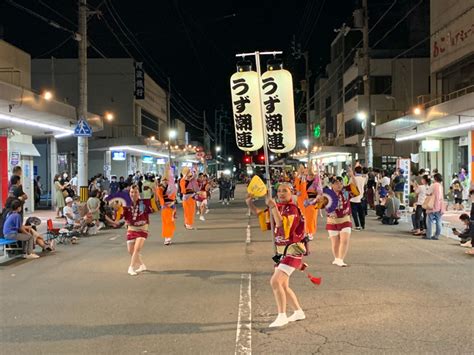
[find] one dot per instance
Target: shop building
(440, 129)
(32, 125)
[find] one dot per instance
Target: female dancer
(289, 233)
(187, 188)
(310, 188)
(166, 193)
(339, 224)
(136, 218)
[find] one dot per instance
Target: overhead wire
(119, 21)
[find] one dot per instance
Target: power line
(314, 24)
(57, 13)
(62, 43)
(350, 54)
(118, 20)
(399, 22)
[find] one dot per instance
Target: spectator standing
(59, 196)
(399, 184)
(38, 187)
(421, 191)
(435, 213)
(358, 213)
(74, 183)
(114, 185)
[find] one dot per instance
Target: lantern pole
(257, 55)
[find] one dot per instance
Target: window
(353, 127)
(380, 85)
(354, 88)
(149, 124)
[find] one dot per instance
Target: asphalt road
(209, 294)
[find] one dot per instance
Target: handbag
(428, 203)
(65, 193)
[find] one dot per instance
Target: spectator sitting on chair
(392, 209)
(468, 233)
(13, 229)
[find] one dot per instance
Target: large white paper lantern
(277, 98)
(246, 110)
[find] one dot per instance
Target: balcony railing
(426, 100)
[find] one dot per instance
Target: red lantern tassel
(315, 280)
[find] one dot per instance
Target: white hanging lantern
(277, 98)
(246, 110)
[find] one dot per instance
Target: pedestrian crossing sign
(82, 129)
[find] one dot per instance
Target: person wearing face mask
(289, 236)
(166, 193)
(114, 185)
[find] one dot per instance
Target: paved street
(399, 295)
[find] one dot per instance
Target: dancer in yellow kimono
(166, 193)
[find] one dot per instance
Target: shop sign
(160, 161)
(62, 159)
(188, 164)
(119, 155)
(246, 109)
(139, 81)
(15, 158)
(147, 159)
(430, 145)
(405, 165)
(463, 141)
(277, 99)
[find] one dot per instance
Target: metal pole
(82, 142)
(368, 123)
(168, 119)
(265, 143)
(308, 122)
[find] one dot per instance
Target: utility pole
(168, 119)
(82, 142)
(308, 121)
(369, 154)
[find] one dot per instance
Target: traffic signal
(247, 159)
(261, 157)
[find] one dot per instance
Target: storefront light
(466, 125)
(64, 131)
(137, 150)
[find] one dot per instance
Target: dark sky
(192, 42)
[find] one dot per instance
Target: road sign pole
(82, 142)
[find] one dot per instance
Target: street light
(172, 134)
(229, 159)
(417, 111)
(218, 149)
(361, 115)
(109, 116)
(48, 95)
(306, 142)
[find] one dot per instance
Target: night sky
(192, 42)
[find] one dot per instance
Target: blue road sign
(82, 129)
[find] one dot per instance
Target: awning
(27, 149)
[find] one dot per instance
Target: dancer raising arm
(289, 234)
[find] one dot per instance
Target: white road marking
(249, 235)
(243, 338)
(113, 238)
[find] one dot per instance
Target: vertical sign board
(139, 81)
(277, 89)
(246, 109)
(405, 165)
